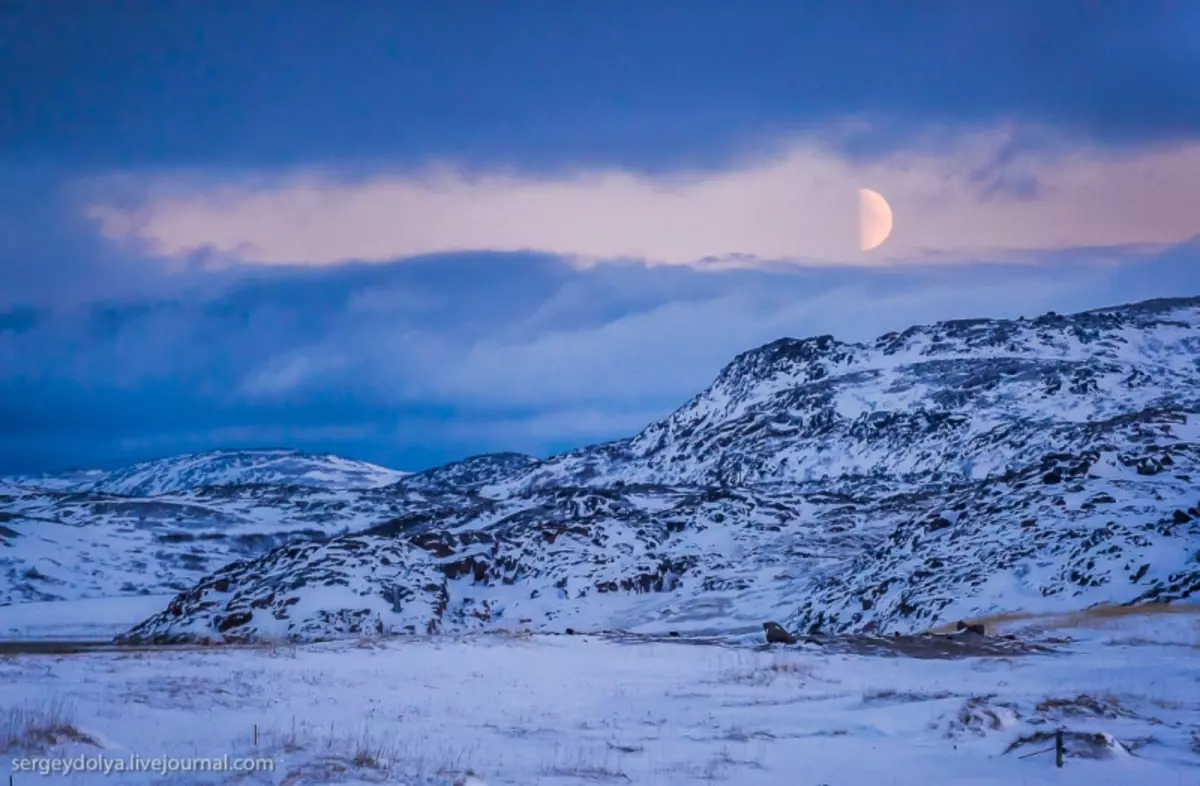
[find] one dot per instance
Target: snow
(91, 619)
(223, 468)
(85, 545)
(586, 709)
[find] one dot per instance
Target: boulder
(776, 634)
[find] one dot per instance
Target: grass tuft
(35, 728)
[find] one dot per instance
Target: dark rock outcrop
(777, 635)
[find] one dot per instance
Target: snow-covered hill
(223, 468)
(948, 471)
(970, 398)
(59, 545)
(470, 474)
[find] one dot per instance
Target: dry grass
(759, 672)
(1166, 704)
(586, 772)
(1077, 744)
(903, 697)
(721, 766)
(316, 754)
(601, 765)
(1084, 705)
(1089, 617)
(279, 649)
(373, 753)
(980, 715)
(35, 728)
(718, 766)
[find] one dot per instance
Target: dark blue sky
(649, 84)
(151, 304)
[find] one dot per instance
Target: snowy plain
(589, 709)
(88, 619)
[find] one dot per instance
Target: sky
(410, 233)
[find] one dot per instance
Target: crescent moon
(874, 219)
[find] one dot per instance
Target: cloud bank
(415, 362)
(974, 196)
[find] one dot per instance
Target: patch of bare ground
(931, 646)
(1092, 616)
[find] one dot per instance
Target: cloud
(506, 352)
(976, 196)
(650, 86)
(251, 241)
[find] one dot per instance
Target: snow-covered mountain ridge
(947, 471)
(969, 398)
(222, 468)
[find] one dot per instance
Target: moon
(874, 219)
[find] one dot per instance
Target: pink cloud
(800, 205)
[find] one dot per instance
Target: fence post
(1058, 748)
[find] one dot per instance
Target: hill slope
(971, 398)
(950, 470)
(72, 545)
(224, 468)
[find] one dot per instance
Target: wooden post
(1058, 748)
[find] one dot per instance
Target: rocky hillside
(946, 471)
(69, 545)
(470, 474)
(1063, 533)
(969, 399)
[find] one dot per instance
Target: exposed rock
(235, 620)
(777, 635)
